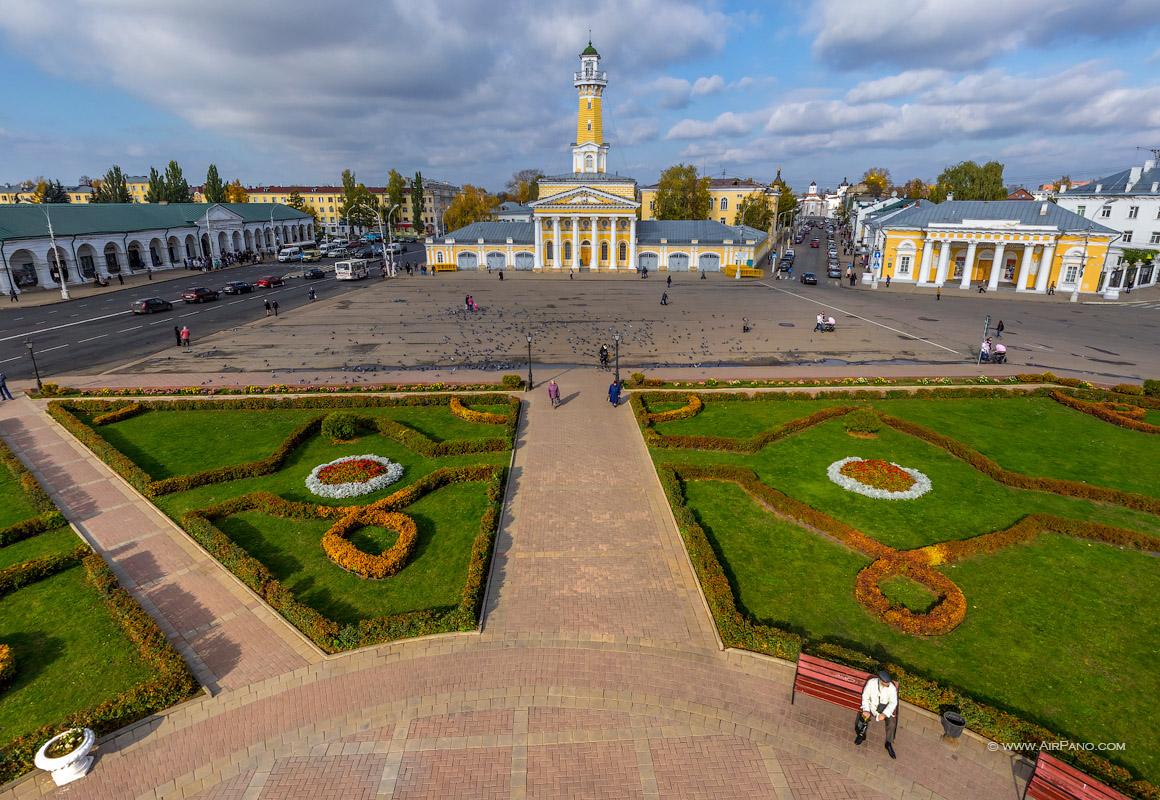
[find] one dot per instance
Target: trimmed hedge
(172, 681)
(1106, 411)
(18, 575)
(692, 409)
(108, 418)
(324, 632)
(863, 420)
(1129, 388)
(339, 549)
(7, 666)
(481, 417)
(1152, 388)
(49, 516)
(341, 426)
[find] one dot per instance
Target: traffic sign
(876, 260)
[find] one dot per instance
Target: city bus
(352, 270)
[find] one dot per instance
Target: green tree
(418, 207)
(55, 193)
(473, 204)
(358, 204)
(681, 194)
(215, 190)
(1137, 255)
(296, 201)
(756, 211)
(877, 180)
(113, 188)
(524, 186)
(176, 187)
(156, 191)
(969, 181)
(396, 186)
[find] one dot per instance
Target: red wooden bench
(1054, 780)
(829, 681)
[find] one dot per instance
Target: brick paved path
(597, 672)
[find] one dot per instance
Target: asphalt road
(99, 332)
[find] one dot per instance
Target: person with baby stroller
(999, 354)
(828, 327)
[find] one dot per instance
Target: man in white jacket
(880, 702)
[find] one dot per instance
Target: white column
(924, 263)
(594, 263)
(1024, 268)
(538, 243)
(969, 265)
(556, 242)
(614, 254)
(996, 266)
(482, 257)
(1045, 268)
(576, 243)
(944, 260)
(632, 242)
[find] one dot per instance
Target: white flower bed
(339, 491)
(921, 482)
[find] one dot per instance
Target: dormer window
(588, 70)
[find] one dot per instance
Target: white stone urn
(71, 766)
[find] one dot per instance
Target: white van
(290, 254)
(352, 270)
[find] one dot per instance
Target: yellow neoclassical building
(586, 219)
(1014, 244)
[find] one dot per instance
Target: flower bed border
(380, 481)
(1098, 411)
(52, 390)
(324, 632)
(342, 552)
(920, 483)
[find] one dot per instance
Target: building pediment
(587, 198)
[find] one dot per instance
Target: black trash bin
(953, 725)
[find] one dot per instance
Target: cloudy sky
(285, 91)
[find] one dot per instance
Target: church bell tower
(589, 153)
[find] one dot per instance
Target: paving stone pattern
(596, 673)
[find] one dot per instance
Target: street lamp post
(54, 258)
(32, 355)
(1082, 267)
(616, 341)
(391, 233)
(529, 388)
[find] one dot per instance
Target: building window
(1106, 212)
(1155, 238)
(1080, 210)
(722, 220)
(589, 126)
(604, 251)
(1069, 276)
(904, 265)
(548, 251)
(567, 251)
(1127, 237)
(724, 203)
(590, 105)
(651, 205)
(1133, 212)
(624, 251)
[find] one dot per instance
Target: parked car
(266, 281)
(396, 247)
(199, 294)
(809, 277)
(150, 304)
(237, 287)
(313, 273)
(311, 255)
(834, 272)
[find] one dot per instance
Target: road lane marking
(859, 316)
(190, 314)
(49, 349)
(126, 330)
(17, 358)
(91, 338)
(67, 324)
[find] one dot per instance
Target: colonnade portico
(555, 230)
(1035, 256)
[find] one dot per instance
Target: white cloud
(707, 86)
(855, 33)
(726, 124)
(901, 85)
(674, 92)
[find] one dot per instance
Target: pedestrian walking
(820, 323)
(879, 702)
(177, 335)
(120, 279)
(311, 293)
(268, 307)
(614, 394)
(569, 273)
(670, 282)
(185, 337)
(4, 393)
(664, 298)
(938, 293)
(14, 297)
(150, 273)
(887, 281)
(554, 393)
(1051, 288)
(275, 308)
(501, 274)
(999, 330)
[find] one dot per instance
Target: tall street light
(55, 258)
(616, 341)
(529, 335)
(32, 355)
(391, 233)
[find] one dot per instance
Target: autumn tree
(877, 180)
(969, 181)
(358, 204)
(473, 204)
(915, 189)
(756, 211)
(681, 194)
(215, 190)
(524, 186)
(418, 206)
(235, 193)
(113, 188)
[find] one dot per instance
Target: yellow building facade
(1011, 244)
(725, 196)
(587, 219)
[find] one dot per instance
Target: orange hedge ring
(7, 665)
(482, 417)
(947, 614)
(692, 409)
(108, 418)
(1132, 420)
(340, 550)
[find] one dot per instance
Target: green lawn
(69, 653)
(447, 519)
(14, 505)
(1020, 646)
(54, 541)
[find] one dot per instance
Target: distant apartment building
(725, 196)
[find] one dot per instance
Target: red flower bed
(359, 471)
(878, 474)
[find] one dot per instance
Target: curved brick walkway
(597, 672)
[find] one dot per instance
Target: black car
(809, 277)
(237, 287)
(311, 274)
(150, 304)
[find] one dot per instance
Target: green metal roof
(27, 220)
(590, 50)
